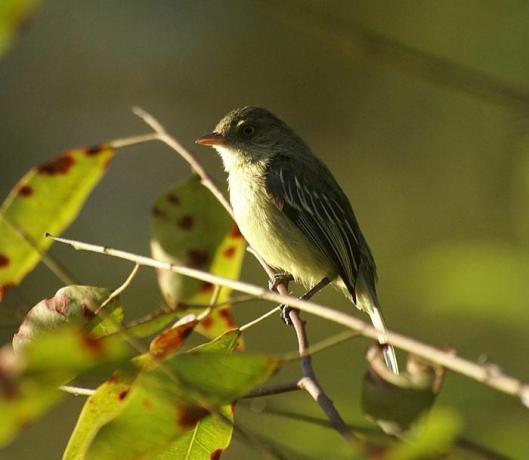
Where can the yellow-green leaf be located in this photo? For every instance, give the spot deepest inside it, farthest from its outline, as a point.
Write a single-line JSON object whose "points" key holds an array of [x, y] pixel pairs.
{"points": [[190, 227], [29, 379], [13, 15], [46, 199], [105, 404]]}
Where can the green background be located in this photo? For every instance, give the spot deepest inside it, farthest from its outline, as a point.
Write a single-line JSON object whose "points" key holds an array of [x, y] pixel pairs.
{"points": [[437, 170]]}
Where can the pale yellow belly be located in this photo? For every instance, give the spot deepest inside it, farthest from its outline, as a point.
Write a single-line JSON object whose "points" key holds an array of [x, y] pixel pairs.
{"points": [[274, 237]]}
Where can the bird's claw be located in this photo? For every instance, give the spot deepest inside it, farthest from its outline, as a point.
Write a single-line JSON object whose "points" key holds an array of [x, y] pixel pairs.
{"points": [[279, 278], [284, 311]]}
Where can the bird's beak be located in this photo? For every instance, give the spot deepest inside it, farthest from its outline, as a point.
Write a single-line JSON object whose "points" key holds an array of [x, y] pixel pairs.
{"points": [[212, 139]]}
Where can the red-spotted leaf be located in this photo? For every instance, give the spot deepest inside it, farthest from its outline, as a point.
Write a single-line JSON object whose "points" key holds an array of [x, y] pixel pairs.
{"points": [[105, 404], [167, 401], [211, 435], [207, 440], [46, 199], [172, 339], [29, 378], [190, 227], [395, 402], [71, 304], [13, 15]]}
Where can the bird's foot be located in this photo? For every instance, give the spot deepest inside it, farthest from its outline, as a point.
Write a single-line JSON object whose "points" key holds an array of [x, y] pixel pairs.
{"points": [[279, 278], [284, 311]]}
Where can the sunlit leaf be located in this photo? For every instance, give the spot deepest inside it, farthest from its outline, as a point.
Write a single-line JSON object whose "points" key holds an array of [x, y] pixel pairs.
{"points": [[211, 435], [105, 404], [13, 15], [431, 437], [228, 341], [395, 402], [206, 441], [29, 379], [46, 199], [166, 403], [190, 227], [71, 304]]}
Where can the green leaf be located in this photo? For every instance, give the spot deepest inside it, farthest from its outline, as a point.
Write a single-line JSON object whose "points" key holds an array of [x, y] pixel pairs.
{"points": [[29, 379], [166, 402], [71, 304], [105, 404], [211, 435], [13, 14], [190, 227], [433, 436], [221, 377], [46, 199], [206, 441], [229, 341]]}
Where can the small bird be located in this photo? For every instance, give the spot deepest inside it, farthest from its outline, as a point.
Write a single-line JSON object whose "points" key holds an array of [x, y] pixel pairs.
{"points": [[292, 211]]}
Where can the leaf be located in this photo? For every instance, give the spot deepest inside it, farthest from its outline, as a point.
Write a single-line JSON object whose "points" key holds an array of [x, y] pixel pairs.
{"points": [[13, 15], [229, 341], [172, 339], [29, 379], [206, 441], [395, 402], [433, 436], [46, 199], [102, 406], [221, 377], [71, 304], [168, 401], [211, 435], [190, 227]]}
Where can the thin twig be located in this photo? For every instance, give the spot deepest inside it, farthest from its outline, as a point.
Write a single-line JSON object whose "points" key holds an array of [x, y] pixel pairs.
{"points": [[480, 373], [162, 135], [77, 391], [273, 389], [119, 290], [323, 345], [259, 319]]}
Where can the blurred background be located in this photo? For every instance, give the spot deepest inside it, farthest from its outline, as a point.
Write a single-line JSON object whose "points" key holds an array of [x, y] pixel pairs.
{"points": [[418, 107]]}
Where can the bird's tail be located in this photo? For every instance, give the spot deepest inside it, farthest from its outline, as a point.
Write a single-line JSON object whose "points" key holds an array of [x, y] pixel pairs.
{"points": [[388, 351]]}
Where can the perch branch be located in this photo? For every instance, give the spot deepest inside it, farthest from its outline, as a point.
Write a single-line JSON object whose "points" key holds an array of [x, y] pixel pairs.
{"points": [[450, 361]]}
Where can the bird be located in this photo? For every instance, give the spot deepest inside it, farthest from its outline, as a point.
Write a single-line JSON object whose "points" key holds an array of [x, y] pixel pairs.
{"points": [[293, 213]]}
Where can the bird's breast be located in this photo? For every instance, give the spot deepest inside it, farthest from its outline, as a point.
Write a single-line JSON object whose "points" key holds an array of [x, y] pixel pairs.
{"points": [[271, 233]]}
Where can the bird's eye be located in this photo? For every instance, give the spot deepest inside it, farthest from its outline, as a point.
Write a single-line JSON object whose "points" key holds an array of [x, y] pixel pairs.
{"points": [[247, 130]]}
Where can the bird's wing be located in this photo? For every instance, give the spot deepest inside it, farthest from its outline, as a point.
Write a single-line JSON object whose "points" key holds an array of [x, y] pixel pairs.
{"points": [[309, 196]]}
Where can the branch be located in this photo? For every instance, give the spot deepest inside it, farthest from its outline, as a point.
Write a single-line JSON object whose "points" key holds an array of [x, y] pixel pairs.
{"points": [[472, 370], [161, 134]]}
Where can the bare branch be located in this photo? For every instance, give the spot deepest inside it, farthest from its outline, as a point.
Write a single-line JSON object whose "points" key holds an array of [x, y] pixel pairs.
{"points": [[119, 290], [480, 373], [197, 168], [273, 389]]}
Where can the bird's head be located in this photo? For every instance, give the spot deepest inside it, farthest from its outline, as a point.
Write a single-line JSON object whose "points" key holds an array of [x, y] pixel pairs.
{"points": [[251, 134]]}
